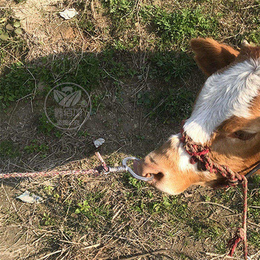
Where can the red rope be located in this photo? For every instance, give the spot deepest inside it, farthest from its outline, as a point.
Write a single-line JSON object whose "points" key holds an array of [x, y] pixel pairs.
{"points": [[200, 153]]}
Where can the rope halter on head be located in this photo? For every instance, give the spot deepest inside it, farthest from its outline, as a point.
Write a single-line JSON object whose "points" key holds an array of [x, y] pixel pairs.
{"points": [[200, 154]]}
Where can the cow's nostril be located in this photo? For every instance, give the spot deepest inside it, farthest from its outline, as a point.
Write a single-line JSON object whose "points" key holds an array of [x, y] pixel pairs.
{"points": [[158, 176]]}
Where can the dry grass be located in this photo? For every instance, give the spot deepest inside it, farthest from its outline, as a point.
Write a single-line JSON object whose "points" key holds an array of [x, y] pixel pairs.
{"points": [[138, 56]]}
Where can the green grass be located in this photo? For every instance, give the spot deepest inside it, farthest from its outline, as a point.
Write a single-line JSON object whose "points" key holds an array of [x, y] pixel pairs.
{"points": [[254, 238], [143, 45], [16, 83], [95, 211], [8, 149], [36, 146], [168, 31], [20, 81], [178, 27], [167, 105], [170, 66]]}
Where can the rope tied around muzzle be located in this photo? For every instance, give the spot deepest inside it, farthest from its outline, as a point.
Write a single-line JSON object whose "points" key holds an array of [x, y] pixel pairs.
{"points": [[200, 155]]}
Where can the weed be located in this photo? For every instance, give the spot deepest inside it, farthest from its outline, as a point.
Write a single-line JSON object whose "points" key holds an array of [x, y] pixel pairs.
{"points": [[12, 44], [113, 67], [120, 11], [203, 228], [96, 102], [169, 102], [170, 66], [15, 84], [85, 73], [47, 220], [83, 133], [120, 8], [256, 179], [221, 247], [135, 183], [168, 105], [8, 149], [37, 147], [140, 137], [48, 190], [207, 198], [183, 256], [180, 26], [86, 21], [45, 126], [18, 81], [91, 209], [254, 36], [254, 238], [20, 1]]}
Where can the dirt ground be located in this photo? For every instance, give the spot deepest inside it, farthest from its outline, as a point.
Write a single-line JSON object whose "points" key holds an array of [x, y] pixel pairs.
{"points": [[127, 130], [47, 34]]}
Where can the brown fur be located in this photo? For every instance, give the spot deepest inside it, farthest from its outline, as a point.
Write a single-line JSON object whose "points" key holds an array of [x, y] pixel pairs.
{"points": [[212, 56], [227, 148], [165, 160]]}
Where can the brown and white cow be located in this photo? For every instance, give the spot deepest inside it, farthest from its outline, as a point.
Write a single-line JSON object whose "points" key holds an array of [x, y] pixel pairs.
{"points": [[226, 118]]}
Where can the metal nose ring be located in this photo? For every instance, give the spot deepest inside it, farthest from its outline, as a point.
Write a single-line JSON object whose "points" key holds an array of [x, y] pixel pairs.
{"points": [[124, 162]]}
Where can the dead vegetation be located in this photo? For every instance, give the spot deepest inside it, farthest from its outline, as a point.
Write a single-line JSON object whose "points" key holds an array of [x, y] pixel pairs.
{"points": [[142, 81]]}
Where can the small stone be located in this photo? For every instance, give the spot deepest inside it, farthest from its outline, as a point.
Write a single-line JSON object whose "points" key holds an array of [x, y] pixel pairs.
{"points": [[18, 31], [17, 24], [2, 20], [9, 27], [4, 36]]}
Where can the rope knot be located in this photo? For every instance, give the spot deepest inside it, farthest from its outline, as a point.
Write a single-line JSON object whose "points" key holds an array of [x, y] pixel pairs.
{"points": [[198, 155], [196, 151], [232, 244]]}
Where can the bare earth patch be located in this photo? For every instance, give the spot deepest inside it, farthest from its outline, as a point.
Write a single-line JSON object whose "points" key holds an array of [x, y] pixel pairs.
{"points": [[72, 223], [46, 32]]}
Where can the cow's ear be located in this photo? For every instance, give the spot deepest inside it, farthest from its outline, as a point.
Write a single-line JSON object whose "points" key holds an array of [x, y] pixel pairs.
{"points": [[211, 55]]}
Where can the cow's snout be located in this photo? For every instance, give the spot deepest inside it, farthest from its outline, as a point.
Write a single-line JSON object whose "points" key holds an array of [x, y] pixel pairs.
{"points": [[146, 169], [164, 164]]}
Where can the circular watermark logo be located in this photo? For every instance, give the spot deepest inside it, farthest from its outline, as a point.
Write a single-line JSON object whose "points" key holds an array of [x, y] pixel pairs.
{"points": [[67, 106]]}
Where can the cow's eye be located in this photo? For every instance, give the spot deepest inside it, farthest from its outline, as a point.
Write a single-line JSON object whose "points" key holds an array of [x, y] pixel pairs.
{"points": [[242, 135]]}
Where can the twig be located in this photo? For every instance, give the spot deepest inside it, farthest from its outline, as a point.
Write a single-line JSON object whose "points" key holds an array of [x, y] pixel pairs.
{"points": [[53, 253], [224, 256], [77, 243], [157, 106], [254, 207], [13, 205], [253, 224], [250, 6], [255, 255], [213, 203], [119, 81], [93, 246], [144, 254]]}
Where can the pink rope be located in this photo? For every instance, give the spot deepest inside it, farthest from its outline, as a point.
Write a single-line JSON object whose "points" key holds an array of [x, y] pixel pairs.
{"points": [[46, 173], [55, 172]]}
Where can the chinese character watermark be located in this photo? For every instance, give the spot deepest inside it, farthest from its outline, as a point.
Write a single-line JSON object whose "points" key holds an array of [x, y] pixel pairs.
{"points": [[67, 106]]}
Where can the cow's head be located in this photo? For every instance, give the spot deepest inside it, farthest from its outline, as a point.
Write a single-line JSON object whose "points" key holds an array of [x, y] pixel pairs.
{"points": [[226, 117]]}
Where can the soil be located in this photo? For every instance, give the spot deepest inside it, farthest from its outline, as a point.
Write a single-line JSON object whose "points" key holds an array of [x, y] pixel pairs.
{"points": [[121, 124], [125, 126]]}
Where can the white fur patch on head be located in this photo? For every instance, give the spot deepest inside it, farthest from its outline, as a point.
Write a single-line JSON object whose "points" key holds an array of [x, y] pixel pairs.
{"points": [[184, 157], [225, 94]]}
